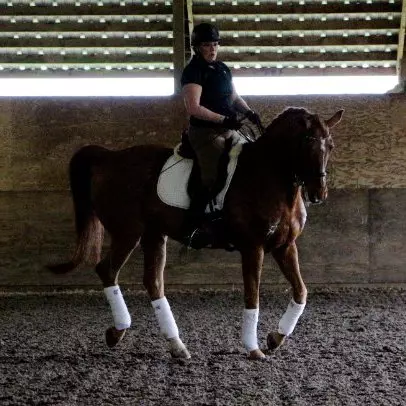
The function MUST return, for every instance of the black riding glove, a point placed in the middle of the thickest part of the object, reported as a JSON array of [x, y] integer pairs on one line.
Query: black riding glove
[[232, 123], [253, 117]]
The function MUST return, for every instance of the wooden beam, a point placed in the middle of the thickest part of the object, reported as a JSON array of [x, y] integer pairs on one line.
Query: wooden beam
[[72, 58], [89, 25], [83, 9], [248, 23], [337, 7], [295, 57], [189, 16], [314, 71], [178, 42], [308, 41], [340, 7], [401, 58], [78, 72], [87, 41]]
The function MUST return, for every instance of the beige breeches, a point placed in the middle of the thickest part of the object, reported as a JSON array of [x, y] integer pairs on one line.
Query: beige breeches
[[208, 144]]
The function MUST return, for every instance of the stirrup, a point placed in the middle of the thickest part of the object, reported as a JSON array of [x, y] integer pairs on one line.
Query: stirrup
[[198, 239]]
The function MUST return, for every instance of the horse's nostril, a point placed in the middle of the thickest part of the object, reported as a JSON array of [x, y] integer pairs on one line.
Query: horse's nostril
[[316, 200]]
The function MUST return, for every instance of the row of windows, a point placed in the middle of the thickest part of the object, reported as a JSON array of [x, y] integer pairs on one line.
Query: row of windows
[[92, 39]]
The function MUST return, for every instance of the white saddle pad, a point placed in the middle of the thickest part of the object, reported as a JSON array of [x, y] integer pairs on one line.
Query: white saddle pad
[[174, 177]]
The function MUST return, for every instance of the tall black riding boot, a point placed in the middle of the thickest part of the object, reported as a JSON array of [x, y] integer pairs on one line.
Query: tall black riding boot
[[195, 235]]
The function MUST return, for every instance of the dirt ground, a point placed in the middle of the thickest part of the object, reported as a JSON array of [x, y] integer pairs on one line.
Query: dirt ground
[[349, 348]]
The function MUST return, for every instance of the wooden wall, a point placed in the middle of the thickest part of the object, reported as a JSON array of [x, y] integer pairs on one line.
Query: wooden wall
[[357, 237]]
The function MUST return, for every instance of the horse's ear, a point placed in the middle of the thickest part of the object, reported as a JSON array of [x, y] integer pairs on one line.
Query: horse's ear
[[332, 121]]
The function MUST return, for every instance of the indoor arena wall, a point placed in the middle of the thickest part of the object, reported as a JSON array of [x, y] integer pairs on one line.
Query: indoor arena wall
[[357, 237]]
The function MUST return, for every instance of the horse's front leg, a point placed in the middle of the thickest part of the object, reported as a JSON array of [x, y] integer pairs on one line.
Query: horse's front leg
[[287, 259], [252, 260], [154, 247]]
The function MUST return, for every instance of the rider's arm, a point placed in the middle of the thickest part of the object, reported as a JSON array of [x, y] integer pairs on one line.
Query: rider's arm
[[191, 96], [239, 103]]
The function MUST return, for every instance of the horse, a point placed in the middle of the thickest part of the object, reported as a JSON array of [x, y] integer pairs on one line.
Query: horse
[[264, 211]]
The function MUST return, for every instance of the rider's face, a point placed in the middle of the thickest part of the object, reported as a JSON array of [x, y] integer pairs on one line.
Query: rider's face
[[208, 50]]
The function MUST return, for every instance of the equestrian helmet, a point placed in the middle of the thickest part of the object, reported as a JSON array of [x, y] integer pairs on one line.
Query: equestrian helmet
[[204, 32]]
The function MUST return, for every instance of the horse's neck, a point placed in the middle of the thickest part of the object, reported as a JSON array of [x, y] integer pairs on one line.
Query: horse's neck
[[272, 159], [269, 171], [268, 165]]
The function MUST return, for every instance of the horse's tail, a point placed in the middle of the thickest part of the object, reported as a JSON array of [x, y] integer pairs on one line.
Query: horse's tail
[[89, 230]]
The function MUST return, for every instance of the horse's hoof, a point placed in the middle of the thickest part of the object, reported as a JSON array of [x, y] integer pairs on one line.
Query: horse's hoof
[[256, 355], [177, 349], [275, 340], [114, 336]]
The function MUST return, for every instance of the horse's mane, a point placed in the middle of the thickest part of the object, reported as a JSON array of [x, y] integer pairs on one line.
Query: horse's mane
[[288, 115]]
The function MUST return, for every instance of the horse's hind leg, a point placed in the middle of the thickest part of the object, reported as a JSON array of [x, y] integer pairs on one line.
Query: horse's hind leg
[[108, 270], [287, 259], [154, 247]]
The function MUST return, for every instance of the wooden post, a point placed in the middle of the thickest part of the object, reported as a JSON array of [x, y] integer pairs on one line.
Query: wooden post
[[178, 42], [401, 59], [189, 16]]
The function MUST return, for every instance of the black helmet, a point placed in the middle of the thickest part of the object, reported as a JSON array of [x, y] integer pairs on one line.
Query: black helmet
[[204, 32]]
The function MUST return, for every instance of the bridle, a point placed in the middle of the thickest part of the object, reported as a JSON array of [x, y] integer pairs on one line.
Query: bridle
[[298, 175], [301, 174]]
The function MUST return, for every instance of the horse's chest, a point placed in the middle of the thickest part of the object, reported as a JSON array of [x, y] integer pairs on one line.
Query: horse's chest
[[288, 227], [301, 214], [297, 219]]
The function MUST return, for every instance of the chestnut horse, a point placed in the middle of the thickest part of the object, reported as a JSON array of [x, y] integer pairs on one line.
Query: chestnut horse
[[264, 211]]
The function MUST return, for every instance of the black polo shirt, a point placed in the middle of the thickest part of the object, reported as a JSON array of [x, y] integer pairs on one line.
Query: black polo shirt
[[216, 82]]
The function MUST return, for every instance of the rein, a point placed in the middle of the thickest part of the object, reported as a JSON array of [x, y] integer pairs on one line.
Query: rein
[[252, 137]]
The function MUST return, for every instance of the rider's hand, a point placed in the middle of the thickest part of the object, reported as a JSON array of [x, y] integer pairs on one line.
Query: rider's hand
[[232, 123], [253, 117]]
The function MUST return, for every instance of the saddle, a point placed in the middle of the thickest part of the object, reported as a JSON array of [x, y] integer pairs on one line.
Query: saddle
[[179, 176], [194, 186], [185, 150], [179, 179]]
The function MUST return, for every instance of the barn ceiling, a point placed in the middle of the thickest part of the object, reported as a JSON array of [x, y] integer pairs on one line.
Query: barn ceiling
[[278, 37]]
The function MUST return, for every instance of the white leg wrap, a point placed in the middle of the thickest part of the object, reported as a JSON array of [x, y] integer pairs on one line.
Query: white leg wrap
[[288, 321], [166, 321], [121, 317], [249, 329]]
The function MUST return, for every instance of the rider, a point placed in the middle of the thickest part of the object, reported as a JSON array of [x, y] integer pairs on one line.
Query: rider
[[212, 104]]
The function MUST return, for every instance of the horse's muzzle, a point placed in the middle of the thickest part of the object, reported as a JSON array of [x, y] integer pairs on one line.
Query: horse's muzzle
[[317, 196], [320, 199]]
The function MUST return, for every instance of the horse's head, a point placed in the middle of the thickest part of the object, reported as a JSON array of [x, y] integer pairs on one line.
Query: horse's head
[[315, 144]]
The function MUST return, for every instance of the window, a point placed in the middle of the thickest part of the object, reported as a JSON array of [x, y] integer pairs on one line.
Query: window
[[268, 44]]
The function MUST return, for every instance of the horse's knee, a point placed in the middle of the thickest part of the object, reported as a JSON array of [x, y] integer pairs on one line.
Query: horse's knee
[[154, 287], [300, 296]]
